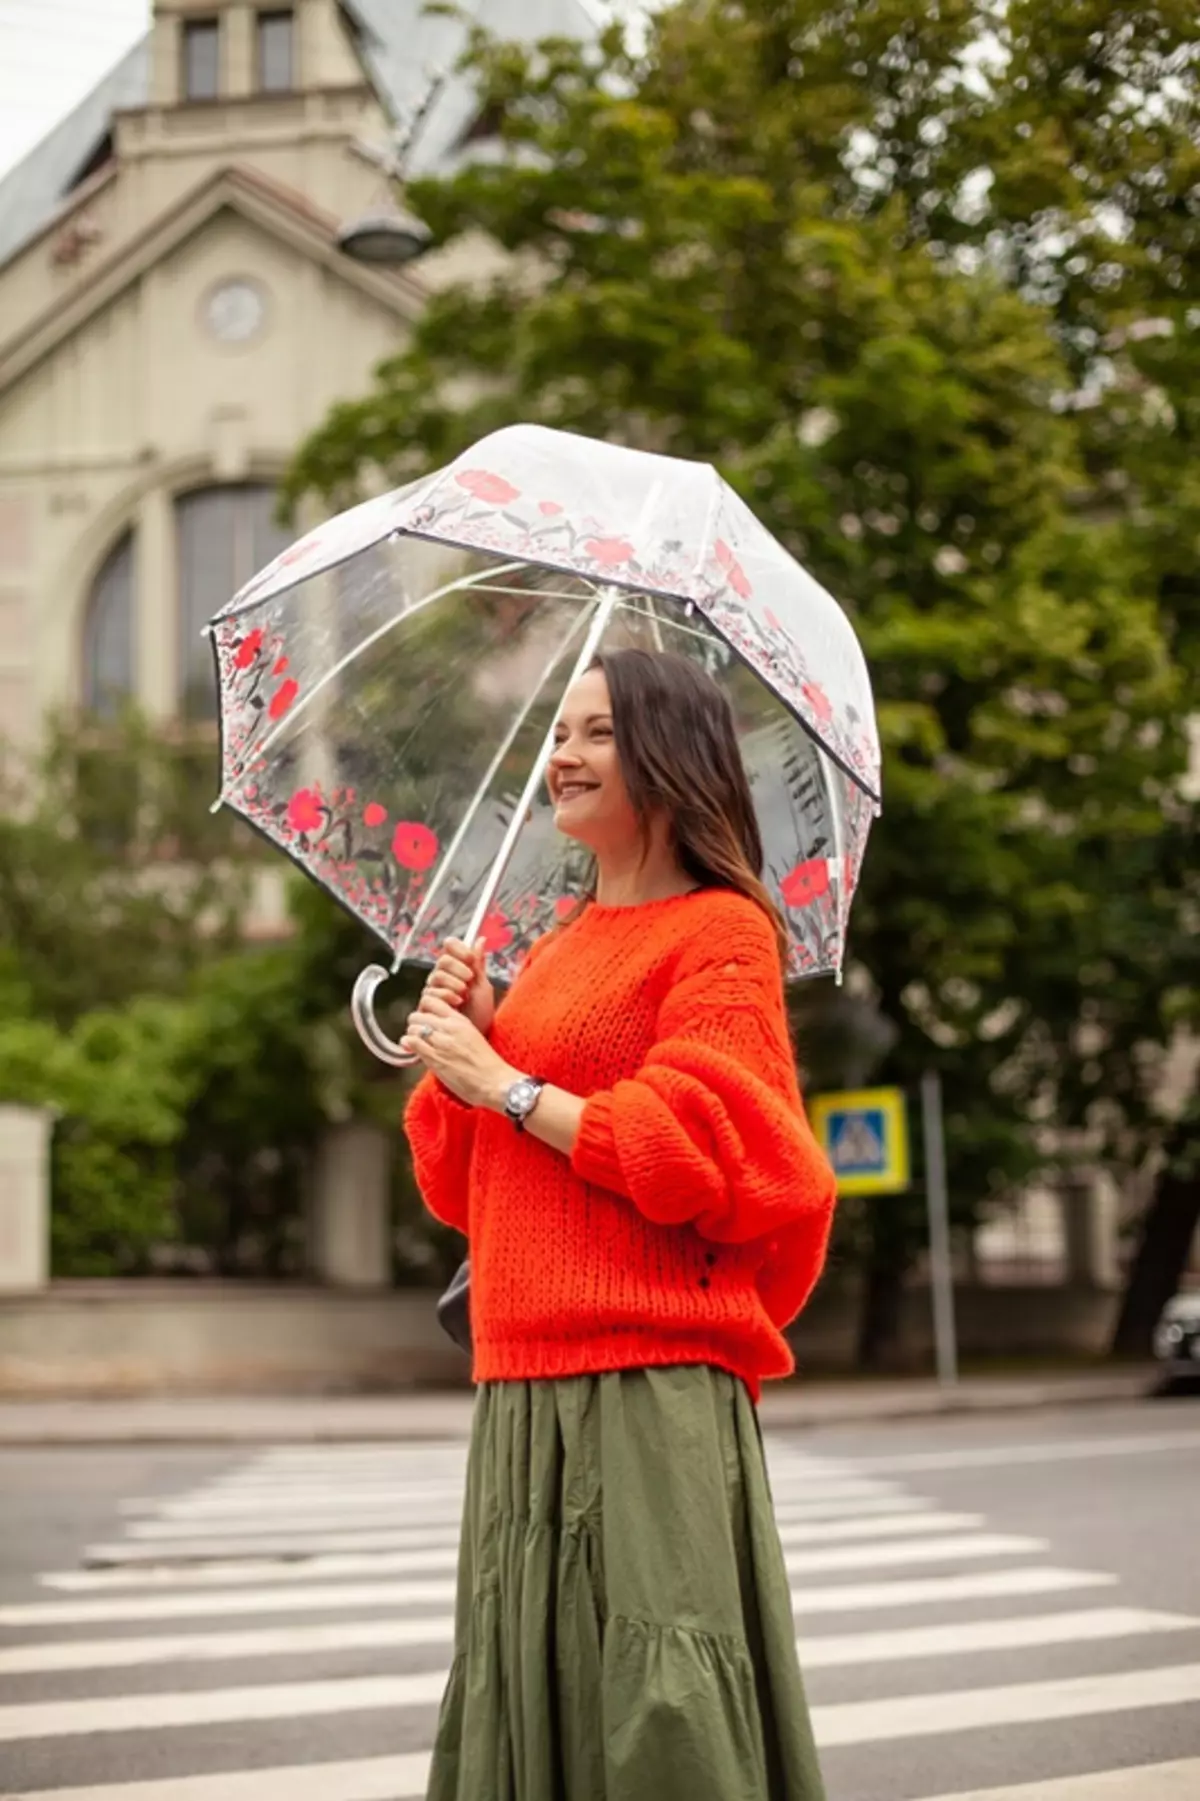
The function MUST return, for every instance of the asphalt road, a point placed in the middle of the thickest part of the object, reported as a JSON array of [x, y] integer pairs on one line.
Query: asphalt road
[[988, 1604]]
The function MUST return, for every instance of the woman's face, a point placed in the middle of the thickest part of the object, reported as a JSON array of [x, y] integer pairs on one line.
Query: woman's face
[[591, 801]]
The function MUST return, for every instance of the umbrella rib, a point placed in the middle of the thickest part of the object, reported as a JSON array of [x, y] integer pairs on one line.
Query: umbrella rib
[[462, 581], [481, 792]]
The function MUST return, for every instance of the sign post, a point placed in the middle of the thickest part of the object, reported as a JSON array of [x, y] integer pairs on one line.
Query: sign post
[[941, 1268], [864, 1133]]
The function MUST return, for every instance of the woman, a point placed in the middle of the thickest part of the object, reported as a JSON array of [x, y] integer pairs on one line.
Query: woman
[[623, 1142]]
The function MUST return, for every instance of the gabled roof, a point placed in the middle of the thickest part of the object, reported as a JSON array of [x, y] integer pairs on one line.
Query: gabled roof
[[405, 47], [402, 48], [30, 192], [268, 205]]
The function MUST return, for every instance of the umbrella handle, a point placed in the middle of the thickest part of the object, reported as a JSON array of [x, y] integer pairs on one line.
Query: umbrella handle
[[362, 1011]]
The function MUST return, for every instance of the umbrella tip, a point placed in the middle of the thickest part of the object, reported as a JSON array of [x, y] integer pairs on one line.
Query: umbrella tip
[[217, 804]]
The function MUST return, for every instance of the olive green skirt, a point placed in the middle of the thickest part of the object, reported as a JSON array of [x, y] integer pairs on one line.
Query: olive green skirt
[[624, 1626]]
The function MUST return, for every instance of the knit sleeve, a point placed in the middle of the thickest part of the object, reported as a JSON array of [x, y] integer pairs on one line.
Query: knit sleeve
[[711, 1129], [441, 1136]]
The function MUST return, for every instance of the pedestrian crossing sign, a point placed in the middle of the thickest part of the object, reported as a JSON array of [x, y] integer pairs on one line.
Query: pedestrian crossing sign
[[864, 1133]]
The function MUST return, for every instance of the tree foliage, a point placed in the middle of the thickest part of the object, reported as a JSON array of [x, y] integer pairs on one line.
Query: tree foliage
[[190, 1075], [921, 281]]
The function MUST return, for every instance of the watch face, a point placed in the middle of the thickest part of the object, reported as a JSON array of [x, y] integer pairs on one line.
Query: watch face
[[521, 1097], [235, 311]]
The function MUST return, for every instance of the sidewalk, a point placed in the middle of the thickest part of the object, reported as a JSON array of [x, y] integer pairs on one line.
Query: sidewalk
[[445, 1414]]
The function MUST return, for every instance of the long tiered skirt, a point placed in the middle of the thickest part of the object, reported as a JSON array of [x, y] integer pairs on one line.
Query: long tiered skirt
[[624, 1626]]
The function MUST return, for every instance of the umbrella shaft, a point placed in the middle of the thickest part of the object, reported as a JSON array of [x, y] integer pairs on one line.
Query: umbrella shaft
[[605, 607]]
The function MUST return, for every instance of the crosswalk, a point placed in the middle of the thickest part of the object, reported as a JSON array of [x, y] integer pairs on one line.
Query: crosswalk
[[239, 1639]]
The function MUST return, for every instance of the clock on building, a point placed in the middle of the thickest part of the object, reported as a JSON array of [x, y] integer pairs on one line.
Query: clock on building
[[234, 311]]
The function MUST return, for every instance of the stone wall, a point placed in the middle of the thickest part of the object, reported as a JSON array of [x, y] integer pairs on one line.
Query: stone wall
[[111, 1338]]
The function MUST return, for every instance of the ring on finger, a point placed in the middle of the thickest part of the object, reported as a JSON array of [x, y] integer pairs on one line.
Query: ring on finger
[[425, 1032]]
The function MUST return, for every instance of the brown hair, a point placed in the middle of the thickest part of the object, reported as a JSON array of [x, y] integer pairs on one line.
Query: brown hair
[[679, 753]]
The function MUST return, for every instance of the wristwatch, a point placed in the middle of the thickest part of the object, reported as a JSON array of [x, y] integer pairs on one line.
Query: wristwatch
[[521, 1100]]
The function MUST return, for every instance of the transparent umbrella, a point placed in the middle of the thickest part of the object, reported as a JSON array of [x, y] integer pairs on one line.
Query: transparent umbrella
[[389, 688]]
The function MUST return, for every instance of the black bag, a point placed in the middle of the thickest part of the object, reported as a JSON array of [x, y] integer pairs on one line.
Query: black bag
[[454, 1308]]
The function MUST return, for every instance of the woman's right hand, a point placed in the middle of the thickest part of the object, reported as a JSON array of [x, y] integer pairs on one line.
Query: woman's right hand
[[460, 977]]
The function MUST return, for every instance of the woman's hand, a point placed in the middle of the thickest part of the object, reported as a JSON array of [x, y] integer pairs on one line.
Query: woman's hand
[[458, 1054], [460, 977]]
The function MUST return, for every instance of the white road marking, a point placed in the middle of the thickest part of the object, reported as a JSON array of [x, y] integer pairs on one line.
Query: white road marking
[[1084, 1625], [404, 1778], [328, 1597], [840, 1724], [210, 1707], [429, 1504], [404, 1502], [157, 1553], [214, 1647], [1062, 1450], [1019, 1704], [273, 1523], [344, 1555], [366, 1779], [218, 1604], [1178, 1781], [328, 1567], [825, 1651], [933, 1550], [258, 1526], [985, 1585]]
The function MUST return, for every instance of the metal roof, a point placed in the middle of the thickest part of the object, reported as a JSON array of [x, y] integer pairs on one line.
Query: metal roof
[[402, 48], [32, 190]]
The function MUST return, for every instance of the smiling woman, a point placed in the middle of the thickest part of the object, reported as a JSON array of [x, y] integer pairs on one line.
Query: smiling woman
[[624, 1144]]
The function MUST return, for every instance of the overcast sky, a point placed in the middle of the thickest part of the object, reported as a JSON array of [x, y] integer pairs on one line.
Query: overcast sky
[[53, 51]]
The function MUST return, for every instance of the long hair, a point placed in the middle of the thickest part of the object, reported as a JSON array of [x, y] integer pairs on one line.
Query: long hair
[[679, 755]]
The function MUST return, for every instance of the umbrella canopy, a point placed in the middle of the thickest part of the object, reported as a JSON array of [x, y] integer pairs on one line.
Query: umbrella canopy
[[389, 687]]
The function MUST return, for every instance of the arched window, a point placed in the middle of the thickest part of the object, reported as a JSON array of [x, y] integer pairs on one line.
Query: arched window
[[108, 634], [223, 536]]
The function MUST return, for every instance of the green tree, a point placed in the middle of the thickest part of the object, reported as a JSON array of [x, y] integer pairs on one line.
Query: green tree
[[889, 267], [96, 904]]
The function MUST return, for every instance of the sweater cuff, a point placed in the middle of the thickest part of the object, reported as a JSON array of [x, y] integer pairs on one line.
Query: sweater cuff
[[594, 1158]]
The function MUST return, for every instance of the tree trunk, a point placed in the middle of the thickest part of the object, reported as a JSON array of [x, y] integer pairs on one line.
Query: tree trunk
[[882, 1297], [1166, 1241]]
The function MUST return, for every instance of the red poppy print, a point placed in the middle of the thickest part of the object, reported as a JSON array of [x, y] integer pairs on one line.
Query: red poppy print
[[486, 486], [248, 649], [496, 933], [414, 847], [549, 507], [806, 883], [609, 552], [735, 575], [564, 906], [374, 814], [283, 665], [819, 701], [305, 812], [283, 697], [772, 622]]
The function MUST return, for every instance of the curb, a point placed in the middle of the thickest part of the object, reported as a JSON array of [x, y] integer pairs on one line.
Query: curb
[[445, 1417]]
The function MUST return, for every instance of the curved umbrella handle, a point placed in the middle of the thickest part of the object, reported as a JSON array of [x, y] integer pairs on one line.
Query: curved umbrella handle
[[362, 1011]]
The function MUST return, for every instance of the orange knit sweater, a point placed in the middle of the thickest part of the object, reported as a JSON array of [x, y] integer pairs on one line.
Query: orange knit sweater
[[690, 1223]]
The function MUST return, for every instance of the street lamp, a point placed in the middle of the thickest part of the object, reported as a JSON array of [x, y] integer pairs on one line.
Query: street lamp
[[390, 236]]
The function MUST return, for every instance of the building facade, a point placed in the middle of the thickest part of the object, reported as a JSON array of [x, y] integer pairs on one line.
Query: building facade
[[176, 315]]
